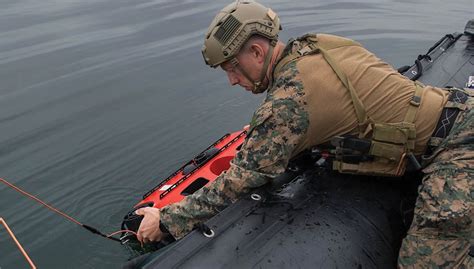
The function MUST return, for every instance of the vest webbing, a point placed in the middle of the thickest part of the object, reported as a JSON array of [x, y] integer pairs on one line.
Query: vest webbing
[[314, 47], [364, 121], [390, 142]]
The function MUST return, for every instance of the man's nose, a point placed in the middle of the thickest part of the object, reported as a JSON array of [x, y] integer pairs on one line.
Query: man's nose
[[233, 80]]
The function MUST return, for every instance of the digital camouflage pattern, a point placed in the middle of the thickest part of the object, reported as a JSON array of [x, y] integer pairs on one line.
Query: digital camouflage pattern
[[275, 130], [442, 229]]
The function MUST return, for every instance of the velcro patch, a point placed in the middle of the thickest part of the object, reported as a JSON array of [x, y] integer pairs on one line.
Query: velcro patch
[[271, 14]]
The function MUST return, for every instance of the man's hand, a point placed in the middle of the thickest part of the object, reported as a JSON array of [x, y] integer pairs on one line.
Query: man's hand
[[149, 230]]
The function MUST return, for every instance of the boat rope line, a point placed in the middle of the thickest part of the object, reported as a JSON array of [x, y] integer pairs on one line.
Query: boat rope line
[[59, 212], [444, 43], [20, 247]]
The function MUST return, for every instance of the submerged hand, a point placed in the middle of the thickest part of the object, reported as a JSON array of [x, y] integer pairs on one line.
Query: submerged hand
[[149, 229]]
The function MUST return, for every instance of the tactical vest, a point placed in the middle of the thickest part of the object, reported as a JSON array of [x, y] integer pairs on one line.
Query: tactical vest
[[384, 146]]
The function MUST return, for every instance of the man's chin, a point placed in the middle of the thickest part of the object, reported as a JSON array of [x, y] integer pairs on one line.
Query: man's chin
[[249, 89]]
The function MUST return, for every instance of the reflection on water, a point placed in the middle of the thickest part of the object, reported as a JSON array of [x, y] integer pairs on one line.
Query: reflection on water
[[99, 99]]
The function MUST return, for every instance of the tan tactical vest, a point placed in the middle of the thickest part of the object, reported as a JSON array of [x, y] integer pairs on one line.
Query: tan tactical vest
[[350, 91]]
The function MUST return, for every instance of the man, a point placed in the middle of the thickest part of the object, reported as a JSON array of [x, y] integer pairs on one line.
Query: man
[[323, 88]]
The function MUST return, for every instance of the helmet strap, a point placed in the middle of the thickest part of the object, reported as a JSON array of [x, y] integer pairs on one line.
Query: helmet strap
[[257, 85]]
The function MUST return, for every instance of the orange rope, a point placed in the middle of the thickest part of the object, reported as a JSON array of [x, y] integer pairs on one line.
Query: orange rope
[[125, 231], [18, 244], [122, 231], [31, 196], [39, 201]]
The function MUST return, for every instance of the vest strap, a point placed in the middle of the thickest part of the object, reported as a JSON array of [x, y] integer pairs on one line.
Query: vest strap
[[451, 104], [314, 47], [258, 84], [415, 102], [361, 113]]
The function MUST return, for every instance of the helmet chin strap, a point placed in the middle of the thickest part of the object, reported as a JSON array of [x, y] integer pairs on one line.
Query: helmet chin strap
[[257, 85]]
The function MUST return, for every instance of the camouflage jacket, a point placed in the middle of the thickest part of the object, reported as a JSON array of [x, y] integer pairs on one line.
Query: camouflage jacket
[[275, 130]]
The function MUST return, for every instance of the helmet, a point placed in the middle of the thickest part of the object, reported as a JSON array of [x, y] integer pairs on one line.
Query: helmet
[[233, 26]]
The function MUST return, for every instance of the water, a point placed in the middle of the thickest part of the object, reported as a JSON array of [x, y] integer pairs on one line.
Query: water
[[99, 99]]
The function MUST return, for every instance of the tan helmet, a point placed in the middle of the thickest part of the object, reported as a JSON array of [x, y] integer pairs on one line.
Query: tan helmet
[[233, 26]]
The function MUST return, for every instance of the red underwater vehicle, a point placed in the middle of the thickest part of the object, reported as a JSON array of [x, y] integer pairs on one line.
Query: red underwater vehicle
[[195, 174]]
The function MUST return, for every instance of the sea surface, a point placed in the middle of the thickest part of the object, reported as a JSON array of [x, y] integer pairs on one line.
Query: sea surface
[[101, 99]]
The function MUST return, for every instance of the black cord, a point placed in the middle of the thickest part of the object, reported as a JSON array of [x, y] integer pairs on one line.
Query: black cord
[[95, 231]]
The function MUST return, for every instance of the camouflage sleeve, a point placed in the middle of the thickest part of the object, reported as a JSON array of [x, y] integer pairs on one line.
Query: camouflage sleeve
[[276, 128]]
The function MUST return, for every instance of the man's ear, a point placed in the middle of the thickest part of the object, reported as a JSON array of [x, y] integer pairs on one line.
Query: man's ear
[[257, 52]]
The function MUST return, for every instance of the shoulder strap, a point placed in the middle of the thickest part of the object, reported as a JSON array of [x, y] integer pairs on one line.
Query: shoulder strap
[[312, 39], [415, 102], [314, 46], [332, 42], [361, 113]]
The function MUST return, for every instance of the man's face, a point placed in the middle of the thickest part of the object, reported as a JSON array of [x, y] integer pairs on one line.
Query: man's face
[[249, 63]]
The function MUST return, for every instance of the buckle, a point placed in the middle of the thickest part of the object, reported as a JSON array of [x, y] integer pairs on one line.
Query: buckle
[[415, 100], [337, 141], [234, 61], [304, 50]]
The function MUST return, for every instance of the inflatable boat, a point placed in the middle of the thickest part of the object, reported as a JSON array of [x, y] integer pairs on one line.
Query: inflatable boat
[[309, 217]]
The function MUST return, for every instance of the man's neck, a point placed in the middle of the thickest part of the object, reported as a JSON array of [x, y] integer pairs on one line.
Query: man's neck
[[277, 52]]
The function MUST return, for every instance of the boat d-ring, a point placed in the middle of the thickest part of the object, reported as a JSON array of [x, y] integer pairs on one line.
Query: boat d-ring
[[256, 197], [209, 233]]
